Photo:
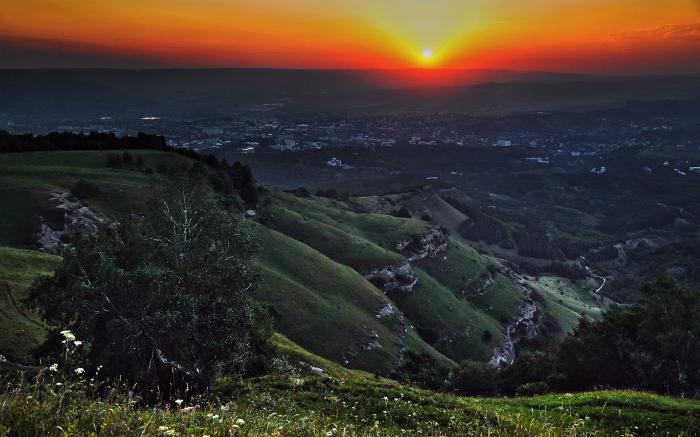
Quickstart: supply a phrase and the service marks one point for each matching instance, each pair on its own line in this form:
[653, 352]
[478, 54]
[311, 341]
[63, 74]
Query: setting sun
[427, 54]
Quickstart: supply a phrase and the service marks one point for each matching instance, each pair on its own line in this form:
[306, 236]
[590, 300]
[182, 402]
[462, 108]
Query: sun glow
[546, 35]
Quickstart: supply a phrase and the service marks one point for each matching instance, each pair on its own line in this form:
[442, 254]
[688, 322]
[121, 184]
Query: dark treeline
[224, 177]
[70, 141]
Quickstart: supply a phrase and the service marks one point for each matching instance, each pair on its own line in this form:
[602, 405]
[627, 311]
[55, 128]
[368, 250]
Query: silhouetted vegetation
[84, 190]
[164, 300]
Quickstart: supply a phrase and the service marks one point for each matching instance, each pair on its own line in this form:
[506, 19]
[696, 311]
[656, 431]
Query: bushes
[163, 301]
[653, 345]
[533, 389]
[474, 378]
[84, 190]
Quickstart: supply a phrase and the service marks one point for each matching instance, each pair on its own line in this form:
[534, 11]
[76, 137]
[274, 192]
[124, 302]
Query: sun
[427, 54]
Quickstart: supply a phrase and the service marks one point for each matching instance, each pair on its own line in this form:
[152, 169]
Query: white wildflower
[178, 402]
[77, 343]
[240, 422]
[79, 371]
[69, 336]
[53, 367]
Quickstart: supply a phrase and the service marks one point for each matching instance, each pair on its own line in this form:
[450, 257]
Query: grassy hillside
[19, 328]
[439, 307]
[325, 305]
[314, 252]
[349, 404]
[27, 178]
[328, 307]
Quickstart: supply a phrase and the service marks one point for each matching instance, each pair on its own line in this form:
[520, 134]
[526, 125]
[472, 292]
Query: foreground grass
[313, 405]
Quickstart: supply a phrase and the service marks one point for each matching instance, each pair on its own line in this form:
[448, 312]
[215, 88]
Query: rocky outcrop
[526, 325]
[479, 287]
[428, 244]
[372, 343]
[393, 278]
[385, 311]
[402, 277]
[68, 217]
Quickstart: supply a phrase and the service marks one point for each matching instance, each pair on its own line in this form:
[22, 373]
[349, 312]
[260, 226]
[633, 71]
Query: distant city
[555, 138]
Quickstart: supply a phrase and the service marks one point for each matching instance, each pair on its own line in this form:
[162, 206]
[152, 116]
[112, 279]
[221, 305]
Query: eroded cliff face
[527, 325]
[401, 277]
[65, 218]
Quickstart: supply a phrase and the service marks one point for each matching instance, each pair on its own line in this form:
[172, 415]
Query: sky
[586, 36]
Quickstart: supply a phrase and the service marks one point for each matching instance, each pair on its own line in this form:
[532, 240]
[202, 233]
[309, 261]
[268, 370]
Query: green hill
[20, 328]
[315, 252]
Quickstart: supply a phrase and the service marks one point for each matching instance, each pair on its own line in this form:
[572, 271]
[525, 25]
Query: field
[351, 404]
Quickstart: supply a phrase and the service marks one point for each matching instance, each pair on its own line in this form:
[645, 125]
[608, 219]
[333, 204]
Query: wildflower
[162, 428]
[77, 343]
[178, 402]
[568, 395]
[215, 416]
[69, 336]
[59, 384]
[240, 422]
[53, 367]
[79, 371]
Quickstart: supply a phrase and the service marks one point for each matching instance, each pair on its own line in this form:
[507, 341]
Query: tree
[474, 378]
[163, 301]
[654, 345]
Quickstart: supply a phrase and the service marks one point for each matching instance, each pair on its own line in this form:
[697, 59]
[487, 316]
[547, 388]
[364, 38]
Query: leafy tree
[422, 370]
[654, 345]
[164, 300]
[474, 378]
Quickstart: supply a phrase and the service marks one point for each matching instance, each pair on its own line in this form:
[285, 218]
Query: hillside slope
[354, 285]
[327, 306]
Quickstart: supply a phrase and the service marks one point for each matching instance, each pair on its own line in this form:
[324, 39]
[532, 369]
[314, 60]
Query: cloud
[667, 33]
[18, 52]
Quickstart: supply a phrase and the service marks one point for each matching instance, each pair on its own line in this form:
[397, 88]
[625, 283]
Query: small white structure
[599, 170]
[334, 162]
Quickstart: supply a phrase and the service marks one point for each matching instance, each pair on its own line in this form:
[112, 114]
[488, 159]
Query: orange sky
[627, 36]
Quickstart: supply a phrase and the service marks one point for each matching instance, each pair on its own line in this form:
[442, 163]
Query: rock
[313, 370]
[316, 371]
[393, 278]
[385, 311]
[75, 218]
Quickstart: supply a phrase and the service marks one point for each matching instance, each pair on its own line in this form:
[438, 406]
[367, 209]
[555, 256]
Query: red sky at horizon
[587, 36]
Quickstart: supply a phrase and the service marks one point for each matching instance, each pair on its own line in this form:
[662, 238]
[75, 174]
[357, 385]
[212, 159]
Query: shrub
[533, 389]
[85, 190]
[164, 300]
[474, 378]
